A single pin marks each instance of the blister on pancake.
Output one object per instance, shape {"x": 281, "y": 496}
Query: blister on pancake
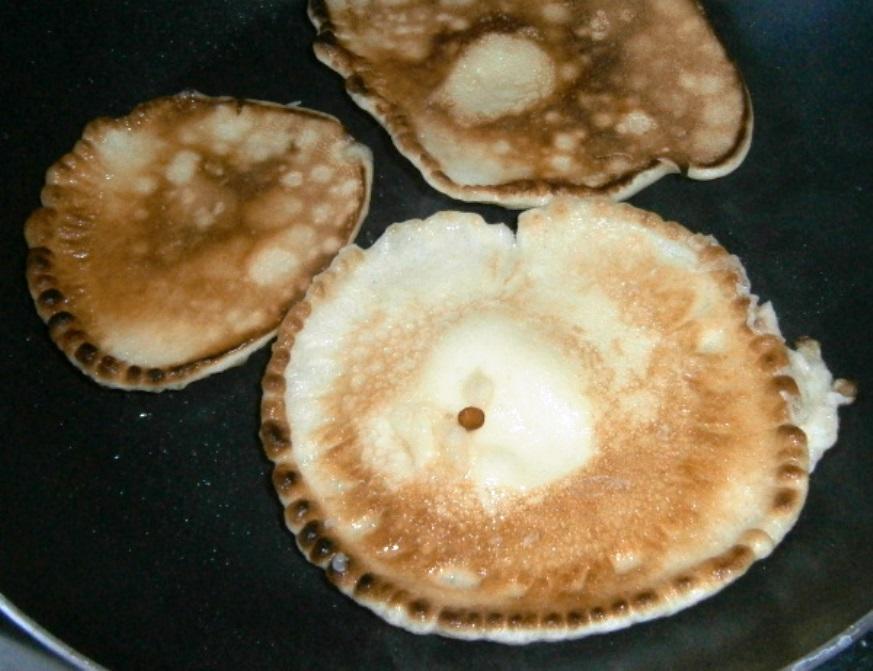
{"x": 514, "y": 102}
{"x": 172, "y": 241}
{"x": 540, "y": 436}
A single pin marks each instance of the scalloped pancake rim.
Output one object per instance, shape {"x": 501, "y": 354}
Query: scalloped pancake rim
{"x": 351, "y": 575}
{"x": 57, "y": 309}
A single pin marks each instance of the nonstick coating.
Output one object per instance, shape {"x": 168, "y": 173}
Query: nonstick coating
{"x": 142, "y": 529}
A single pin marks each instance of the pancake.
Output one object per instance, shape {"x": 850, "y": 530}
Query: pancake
{"x": 512, "y": 102}
{"x": 540, "y": 436}
{"x": 172, "y": 241}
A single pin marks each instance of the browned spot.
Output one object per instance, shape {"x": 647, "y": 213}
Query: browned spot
{"x": 284, "y": 480}
{"x": 280, "y": 359}
{"x": 418, "y": 609}
{"x": 785, "y": 384}
{"x": 848, "y": 388}
{"x": 619, "y": 608}
{"x": 713, "y": 253}
{"x": 773, "y": 360}
{"x": 366, "y": 584}
{"x": 515, "y": 621}
{"x": 797, "y": 453}
{"x": 181, "y": 370}
{"x": 39, "y": 258}
{"x": 451, "y": 618}
{"x": 792, "y": 436}
{"x": 399, "y": 597}
{"x": 471, "y": 418}
{"x": 494, "y": 619}
{"x": 50, "y": 298}
{"x": 274, "y": 436}
{"x": 645, "y": 600}
{"x": 729, "y": 280}
{"x": 298, "y": 511}
{"x": 684, "y": 583}
{"x": 323, "y": 549}
{"x": 764, "y": 344}
{"x": 576, "y": 618}
{"x": 309, "y": 534}
{"x": 109, "y": 366}
{"x": 785, "y": 500}
{"x": 59, "y": 320}
{"x": 731, "y": 562}
{"x": 553, "y": 620}
{"x": 473, "y": 620}
{"x": 273, "y": 383}
{"x": 86, "y": 353}
{"x": 741, "y": 308}
{"x": 273, "y": 409}
{"x": 791, "y": 473}
{"x": 72, "y": 338}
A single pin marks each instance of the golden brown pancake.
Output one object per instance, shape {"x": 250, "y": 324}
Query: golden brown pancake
{"x": 172, "y": 241}
{"x": 540, "y": 436}
{"x": 515, "y": 102}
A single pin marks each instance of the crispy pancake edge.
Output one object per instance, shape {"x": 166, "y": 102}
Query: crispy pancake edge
{"x": 58, "y": 310}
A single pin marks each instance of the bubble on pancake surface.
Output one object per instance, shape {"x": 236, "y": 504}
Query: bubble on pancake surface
{"x": 495, "y": 76}
{"x": 621, "y": 472}
{"x": 639, "y": 79}
{"x": 169, "y": 233}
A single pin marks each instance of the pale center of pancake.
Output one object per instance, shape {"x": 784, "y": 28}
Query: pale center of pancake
{"x": 495, "y": 76}
{"x": 532, "y": 421}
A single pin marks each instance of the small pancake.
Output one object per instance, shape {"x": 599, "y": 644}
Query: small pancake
{"x": 539, "y": 436}
{"x": 514, "y": 102}
{"x": 172, "y": 241}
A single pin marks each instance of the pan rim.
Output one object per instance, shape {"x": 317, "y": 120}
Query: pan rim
{"x": 46, "y": 639}
{"x": 813, "y": 659}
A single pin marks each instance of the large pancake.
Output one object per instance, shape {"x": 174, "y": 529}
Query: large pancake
{"x": 540, "y": 436}
{"x": 172, "y": 241}
{"x": 514, "y": 102}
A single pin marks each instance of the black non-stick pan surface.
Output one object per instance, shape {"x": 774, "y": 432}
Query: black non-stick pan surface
{"x": 142, "y": 529}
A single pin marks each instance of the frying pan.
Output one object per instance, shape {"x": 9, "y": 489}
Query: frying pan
{"x": 142, "y": 529}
